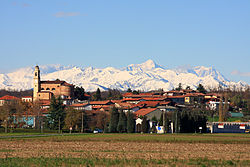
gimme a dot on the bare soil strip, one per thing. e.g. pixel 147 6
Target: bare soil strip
pixel 128 150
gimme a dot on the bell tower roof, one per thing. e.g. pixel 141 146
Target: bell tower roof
pixel 36 67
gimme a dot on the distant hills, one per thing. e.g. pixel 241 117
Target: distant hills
pixel 146 76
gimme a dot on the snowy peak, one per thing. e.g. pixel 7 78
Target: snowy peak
pixel 201 71
pixel 149 65
pixel 145 76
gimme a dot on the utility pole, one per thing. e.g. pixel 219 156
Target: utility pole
pixel 59 131
pixel 6 125
pixel 82 123
pixel 164 121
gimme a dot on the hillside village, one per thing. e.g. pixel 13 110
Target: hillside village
pixel 61 106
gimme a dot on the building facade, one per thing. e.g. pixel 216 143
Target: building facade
pixel 44 90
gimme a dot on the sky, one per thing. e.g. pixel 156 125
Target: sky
pixel 102 33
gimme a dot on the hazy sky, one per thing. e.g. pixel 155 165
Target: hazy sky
pixel 117 33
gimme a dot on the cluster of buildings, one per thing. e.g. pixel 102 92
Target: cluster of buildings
pixel 151 104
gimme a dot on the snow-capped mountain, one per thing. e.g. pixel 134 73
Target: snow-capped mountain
pixel 146 76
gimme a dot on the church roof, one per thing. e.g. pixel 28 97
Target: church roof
pixel 56 82
pixel 7 97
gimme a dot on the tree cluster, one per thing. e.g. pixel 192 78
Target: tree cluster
pixel 190 121
pixel 121 122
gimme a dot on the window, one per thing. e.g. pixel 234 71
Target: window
pixel 42 89
pixel 47 89
pixel 35 73
pixel 53 89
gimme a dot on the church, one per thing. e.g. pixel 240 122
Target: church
pixel 44 90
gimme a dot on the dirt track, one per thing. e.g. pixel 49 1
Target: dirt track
pixel 24 148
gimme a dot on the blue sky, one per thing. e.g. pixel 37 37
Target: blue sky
pixel 116 33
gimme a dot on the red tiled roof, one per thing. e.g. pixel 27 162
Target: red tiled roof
pixel 116 101
pixel 132 99
pixel 144 111
pixel 56 82
pixel 175 97
pixel 27 97
pixel 79 104
pixel 194 94
pixel 125 104
pixel 101 106
pixel 153 98
pixel 85 94
pixel 173 91
pixel 7 97
pixel 138 95
pixel 149 103
pixel 165 102
pixel 100 102
pixel 128 94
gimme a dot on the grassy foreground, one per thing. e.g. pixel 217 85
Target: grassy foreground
pixel 117 162
pixel 127 150
pixel 155 138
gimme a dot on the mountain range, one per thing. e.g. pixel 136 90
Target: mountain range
pixel 145 77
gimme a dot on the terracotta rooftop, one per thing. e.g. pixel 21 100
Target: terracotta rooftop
pixel 79 104
pixel 149 103
pixel 132 99
pixel 144 111
pixel 27 97
pixel 130 94
pixel 7 97
pixel 56 82
pixel 175 97
pixel 154 98
pixel 116 101
pixel 101 106
pixel 100 102
pixel 165 102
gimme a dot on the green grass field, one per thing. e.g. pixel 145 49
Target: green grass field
pixel 177 138
pixel 20 162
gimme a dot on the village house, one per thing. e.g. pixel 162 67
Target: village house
pixel 8 99
pixel 27 99
pixel 149 113
pixel 81 106
pixel 125 107
pixel 191 98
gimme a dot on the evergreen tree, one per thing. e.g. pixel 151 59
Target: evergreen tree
pixel 56 113
pixel 79 93
pixel 161 120
pixel 135 92
pixel 179 87
pixel 130 122
pixel 122 124
pixel 201 89
pixel 145 125
pixel 191 121
pixel 129 90
pixel 110 94
pixel 97 95
pixel 114 118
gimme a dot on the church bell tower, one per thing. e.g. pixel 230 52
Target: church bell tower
pixel 37 85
